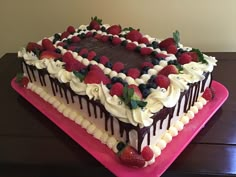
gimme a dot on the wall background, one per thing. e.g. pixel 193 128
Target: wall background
pixel 209 25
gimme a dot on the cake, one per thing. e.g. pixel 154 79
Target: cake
pixel 131 91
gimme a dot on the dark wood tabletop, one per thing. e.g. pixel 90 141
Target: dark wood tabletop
pixel 31 145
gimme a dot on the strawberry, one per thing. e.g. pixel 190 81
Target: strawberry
pixel 67 57
pixel 130 157
pixel 116 40
pixel 208 94
pixel 194 56
pixel 147 153
pixel 134 35
pixel 114 29
pixel 166 43
pixel 145 51
pixel 48 45
pixel 134 73
pixel 104 38
pixel 96 77
pixel 22 80
pixel 49 55
pixel 162 81
pixel 172 49
pixel 169 69
pixel 147 64
pixel 95 23
pixel 62 44
pixel 95 68
pixel 118 66
pixel 143 40
pixel 91 55
pixel 103 60
pixel 131 46
pixel 75 39
pixel 65 34
pixel 74 65
pixel 70 29
pixel 117 89
pixel 32 46
pixel 137 93
pixel 184 58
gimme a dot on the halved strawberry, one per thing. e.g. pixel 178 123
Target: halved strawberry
pixel 114 29
pixel 49 55
pixel 137 93
pixel 169 69
pixel 130 157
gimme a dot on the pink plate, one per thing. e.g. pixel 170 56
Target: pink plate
pixel 106 156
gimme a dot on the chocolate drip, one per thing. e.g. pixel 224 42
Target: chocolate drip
pixel 112 126
pixel 95 111
pixel 66 96
pixel 52 86
pixel 80 102
pixel 40 78
pixel 204 81
pixel 88 108
pixel 28 73
pixel 32 71
pixel 107 116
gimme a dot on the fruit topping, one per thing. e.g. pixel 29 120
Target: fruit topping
pixel 208 94
pixel 34 47
pixel 137 94
pixel 96 76
pixel 71 64
pixel 162 81
pixel 95 23
pixel 104 60
pixel 145 51
pixel 147 153
pixel 134 73
pixel 48 45
pixel 65 34
pixel 147 64
pixel 91 55
pixel 134 35
pixel 172 49
pixel 116 40
pixel 131 46
pixel 169 69
pixel 118 66
pixel 75 39
pixel 114 29
pixel 49 55
pixel 117 89
pixel 143 40
pixel 166 43
pixel 130 157
pixel 184 58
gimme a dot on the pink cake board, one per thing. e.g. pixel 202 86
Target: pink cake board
pixel 106 156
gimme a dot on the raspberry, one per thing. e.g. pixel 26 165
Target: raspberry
pixel 162 81
pixel 147 64
pixel 98 36
pixel 194 56
pixel 70 29
pixel 91 55
pixel 117 89
pixel 118 66
pixel 65 34
pixel 83 51
pixel 208 94
pixel 133 72
pixel 104 60
pixel 116 40
pixel 147 153
pixel 104 38
pixel 89 34
pixel 75 39
pixel 160 55
pixel 184 58
pixel 145 51
pixel 131 46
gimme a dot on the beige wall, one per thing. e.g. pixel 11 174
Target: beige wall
pixel 206 24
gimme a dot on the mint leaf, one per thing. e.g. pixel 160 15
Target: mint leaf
pixel 133 104
pixel 79 75
pixel 176 37
pixel 130 92
pixel 141 104
pixel 200 55
pixel 128 29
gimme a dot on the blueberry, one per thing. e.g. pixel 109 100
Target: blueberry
pixel 146 92
pixel 96 58
pixel 94 33
pixel 155 44
pixel 172 62
pixel 108 64
pixel 78 30
pixel 77 49
pixel 137 49
pixel 145 70
pixel 154 53
pixel 114 79
pixel 152 78
pixel 152 85
pixel 123 71
pixel 124 43
pixel 69 41
pixel 83 71
pixel 155 61
pixel 85 55
pixel 82 35
pixel 57 36
pixel 103 29
pixel 120 146
pixel 109 86
pixel 142 87
pixel 58 51
pixel 110 38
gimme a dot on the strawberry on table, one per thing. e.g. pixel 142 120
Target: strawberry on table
pixel 130 157
pixel 22 80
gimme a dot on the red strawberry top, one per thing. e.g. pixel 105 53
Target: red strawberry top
pixel 114 29
pixel 95 23
pixel 96 76
pixel 134 35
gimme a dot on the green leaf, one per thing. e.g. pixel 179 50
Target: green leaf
pixel 141 104
pixel 79 75
pixel 176 37
pixel 200 55
pixel 128 29
pixel 130 92
pixel 19 77
pixel 133 104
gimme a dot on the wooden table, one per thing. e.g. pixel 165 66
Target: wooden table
pixel 31 145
